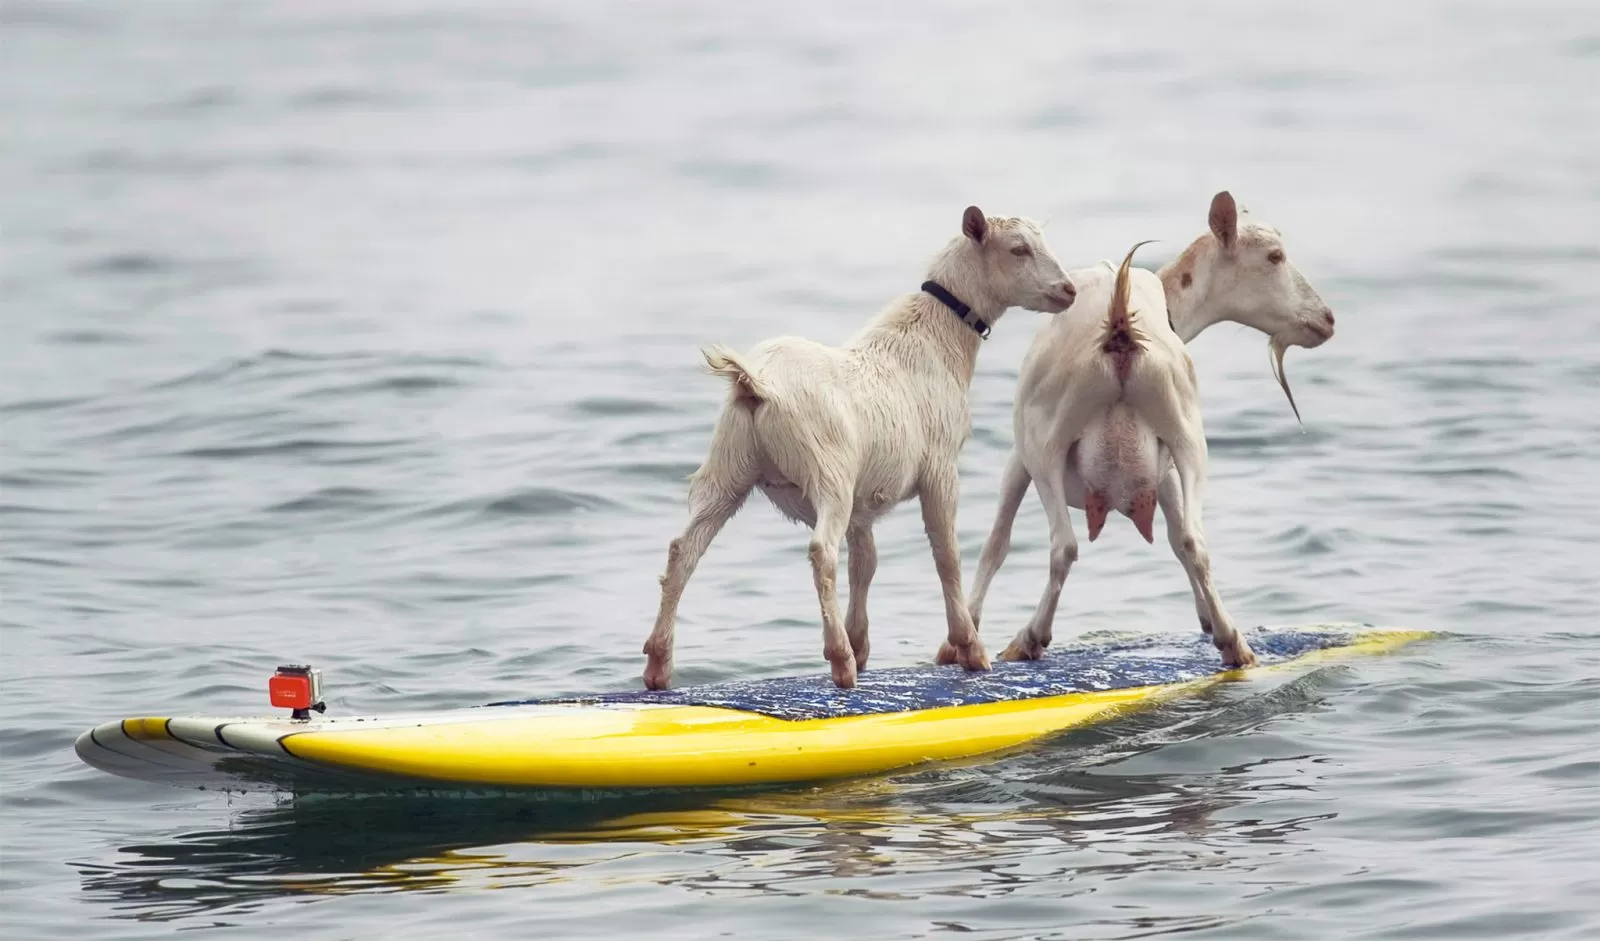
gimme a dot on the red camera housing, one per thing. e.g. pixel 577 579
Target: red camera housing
pixel 296 687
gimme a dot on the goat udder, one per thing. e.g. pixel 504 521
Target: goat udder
pixel 1142 510
pixel 1095 507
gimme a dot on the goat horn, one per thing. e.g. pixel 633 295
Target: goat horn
pixel 1278 349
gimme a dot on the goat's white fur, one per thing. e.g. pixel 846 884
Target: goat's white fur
pixel 1068 393
pixel 835 437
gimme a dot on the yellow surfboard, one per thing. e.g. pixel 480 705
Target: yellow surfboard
pixel 726 735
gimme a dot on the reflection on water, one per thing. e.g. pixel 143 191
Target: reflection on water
pixel 984 828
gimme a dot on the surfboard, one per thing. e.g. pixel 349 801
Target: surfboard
pixel 724 735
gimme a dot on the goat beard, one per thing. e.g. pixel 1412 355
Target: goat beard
pixel 1277 348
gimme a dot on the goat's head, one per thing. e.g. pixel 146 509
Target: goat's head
pixel 1015 266
pixel 1252 281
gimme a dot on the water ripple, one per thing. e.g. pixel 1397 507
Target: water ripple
pixel 370 337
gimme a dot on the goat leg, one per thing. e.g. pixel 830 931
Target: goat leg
pixel 938 496
pixel 713 499
pixel 863 565
pixel 1031 641
pixel 833 518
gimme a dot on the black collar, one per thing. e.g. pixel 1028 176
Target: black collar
pixel 954 303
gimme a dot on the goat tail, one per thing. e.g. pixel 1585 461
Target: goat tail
pixel 1119 334
pixel 748 389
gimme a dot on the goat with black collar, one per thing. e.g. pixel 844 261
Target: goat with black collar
pixel 837 436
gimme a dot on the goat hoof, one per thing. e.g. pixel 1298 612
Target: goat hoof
pixel 1023 648
pixel 1238 656
pixel 844 673
pixel 657 675
pixel 972 657
pixel 946 655
pixel 1205 626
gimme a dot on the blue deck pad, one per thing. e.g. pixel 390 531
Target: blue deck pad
pixel 1117 664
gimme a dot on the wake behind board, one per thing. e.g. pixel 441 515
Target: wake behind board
pixel 738 734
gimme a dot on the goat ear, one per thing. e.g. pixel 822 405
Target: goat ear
pixel 974 225
pixel 1224 219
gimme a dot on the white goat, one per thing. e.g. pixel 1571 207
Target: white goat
pixel 1107 409
pixel 835 437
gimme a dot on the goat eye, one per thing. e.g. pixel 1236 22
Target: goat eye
pixel 1275 256
pixel 1022 251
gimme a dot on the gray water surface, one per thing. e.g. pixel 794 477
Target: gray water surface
pixel 366 334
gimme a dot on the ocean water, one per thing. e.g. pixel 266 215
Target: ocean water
pixel 366 334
